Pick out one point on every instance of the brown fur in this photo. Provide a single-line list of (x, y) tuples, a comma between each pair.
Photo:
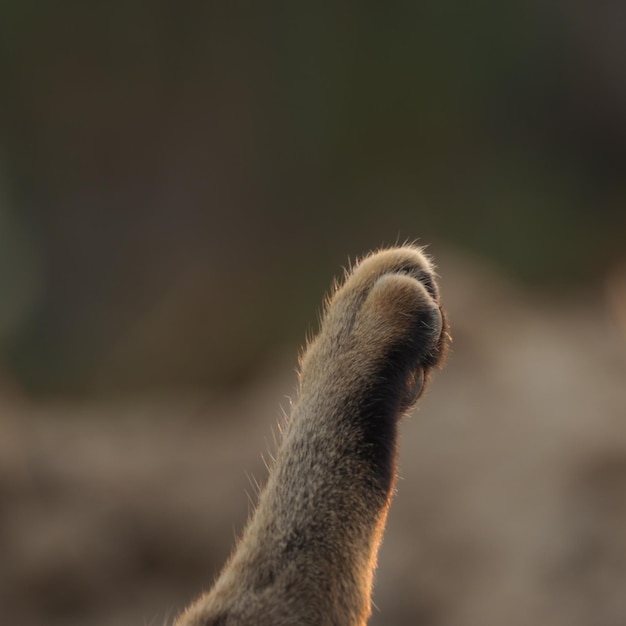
[(308, 553)]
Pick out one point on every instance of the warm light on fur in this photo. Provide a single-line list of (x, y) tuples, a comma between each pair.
[(308, 553)]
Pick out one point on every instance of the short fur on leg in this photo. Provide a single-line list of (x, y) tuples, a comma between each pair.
[(308, 553)]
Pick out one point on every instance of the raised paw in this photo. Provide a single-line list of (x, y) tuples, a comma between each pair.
[(384, 324), (308, 554)]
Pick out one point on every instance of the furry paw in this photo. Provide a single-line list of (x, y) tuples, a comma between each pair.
[(384, 324)]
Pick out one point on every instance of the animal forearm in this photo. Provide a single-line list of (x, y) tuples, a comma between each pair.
[(308, 553)]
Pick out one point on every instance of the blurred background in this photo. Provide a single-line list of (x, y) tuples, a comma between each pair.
[(179, 184)]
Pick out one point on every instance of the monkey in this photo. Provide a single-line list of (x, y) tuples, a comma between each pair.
[(308, 553)]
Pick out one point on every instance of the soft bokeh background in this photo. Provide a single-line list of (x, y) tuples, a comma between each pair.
[(179, 182)]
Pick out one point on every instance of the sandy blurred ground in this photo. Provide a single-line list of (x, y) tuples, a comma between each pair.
[(511, 504)]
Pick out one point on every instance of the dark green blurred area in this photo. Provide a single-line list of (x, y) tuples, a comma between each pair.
[(178, 181)]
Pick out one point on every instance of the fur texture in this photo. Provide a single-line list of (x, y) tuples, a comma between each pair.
[(308, 553)]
